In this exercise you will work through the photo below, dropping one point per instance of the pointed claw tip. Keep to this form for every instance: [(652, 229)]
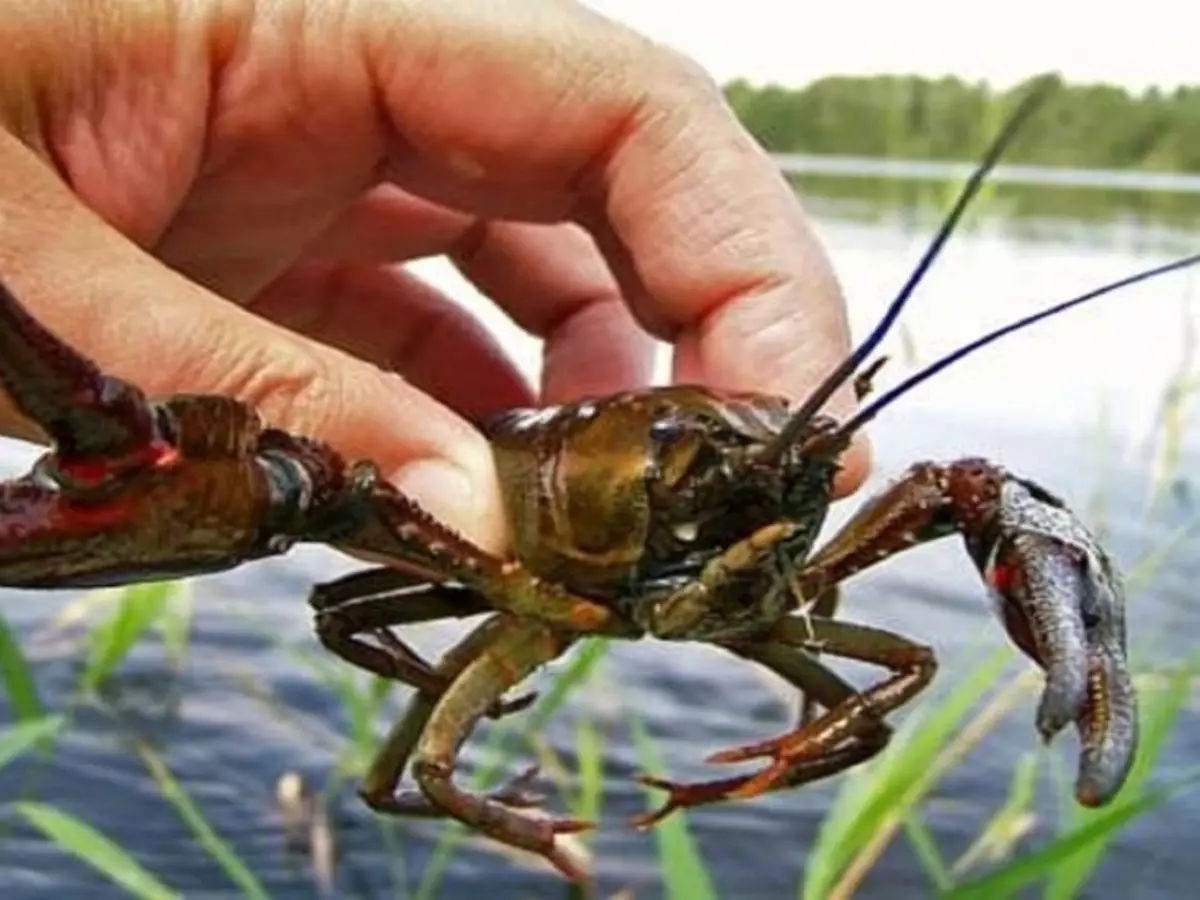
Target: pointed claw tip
[(647, 821), (1048, 730), (1101, 779), (1094, 793), (1064, 697)]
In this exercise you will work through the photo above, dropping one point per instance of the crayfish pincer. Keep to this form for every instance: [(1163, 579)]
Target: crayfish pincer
[(683, 513)]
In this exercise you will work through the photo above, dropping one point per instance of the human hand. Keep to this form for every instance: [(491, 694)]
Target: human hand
[(214, 196)]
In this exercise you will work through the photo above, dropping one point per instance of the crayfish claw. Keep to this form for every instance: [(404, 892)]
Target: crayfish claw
[(676, 799), (700, 793), (89, 415), (1046, 582), (1063, 604), (570, 858), (1107, 729), (572, 826)]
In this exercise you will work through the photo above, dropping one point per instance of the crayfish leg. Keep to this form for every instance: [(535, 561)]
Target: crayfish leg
[(493, 659), (851, 731), (374, 602)]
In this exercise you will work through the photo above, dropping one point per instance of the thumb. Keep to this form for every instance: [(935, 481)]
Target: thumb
[(143, 322)]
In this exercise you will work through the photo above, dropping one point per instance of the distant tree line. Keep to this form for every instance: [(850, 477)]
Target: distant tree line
[(1083, 125)]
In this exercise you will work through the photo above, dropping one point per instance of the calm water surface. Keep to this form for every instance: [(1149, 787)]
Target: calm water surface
[(1072, 404)]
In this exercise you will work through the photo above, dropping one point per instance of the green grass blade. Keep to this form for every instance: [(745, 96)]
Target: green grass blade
[(876, 796), (361, 702), (685, 876), (589, 751), (1028, 869), (85, 843), (206, 836), (17, 677), (19, 738), (176, 624), (579, 669), (138, 609), (928, 853), (1010, 823), (1159, 711)]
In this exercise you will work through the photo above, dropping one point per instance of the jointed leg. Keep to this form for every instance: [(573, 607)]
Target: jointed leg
[(854, 717), (850, 731), (374, 601), (821, 685), (513, 650), (398, 529), (823, 606), (379, 786)]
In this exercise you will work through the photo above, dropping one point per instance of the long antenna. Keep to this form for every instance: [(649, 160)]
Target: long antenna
[(839, 376), (843, 433)]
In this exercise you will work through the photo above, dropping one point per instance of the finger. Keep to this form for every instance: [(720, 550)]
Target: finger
[(723, 253), (550, 279), (701, 231), (590, 120), (553, 282), (388, 317), (391, 225), (144, 322)]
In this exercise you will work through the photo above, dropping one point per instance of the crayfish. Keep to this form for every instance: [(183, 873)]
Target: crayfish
[(682, 513)]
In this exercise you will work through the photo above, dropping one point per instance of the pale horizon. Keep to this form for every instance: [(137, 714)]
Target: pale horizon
[(789, 44)]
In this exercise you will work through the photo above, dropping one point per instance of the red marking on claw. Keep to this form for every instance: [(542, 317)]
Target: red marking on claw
[(1005, 578), (157, 455)]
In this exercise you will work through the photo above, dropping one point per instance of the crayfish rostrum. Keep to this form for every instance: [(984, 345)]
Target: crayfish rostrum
[(681, 513)]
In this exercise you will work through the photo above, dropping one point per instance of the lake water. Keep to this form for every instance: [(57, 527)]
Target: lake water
[(1072, 404)]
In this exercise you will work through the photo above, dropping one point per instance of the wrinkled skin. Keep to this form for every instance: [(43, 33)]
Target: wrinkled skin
[(680, 513)]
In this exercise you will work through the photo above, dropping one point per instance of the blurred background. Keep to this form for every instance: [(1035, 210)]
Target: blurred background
[(174, 711)]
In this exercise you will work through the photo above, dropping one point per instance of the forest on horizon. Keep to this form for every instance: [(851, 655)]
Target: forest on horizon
[(1097, 126)]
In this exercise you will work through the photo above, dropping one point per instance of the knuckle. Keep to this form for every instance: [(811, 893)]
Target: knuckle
[(297, 391), (677, 72)]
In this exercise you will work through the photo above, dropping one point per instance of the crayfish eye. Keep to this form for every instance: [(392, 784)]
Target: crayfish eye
[(667, 433)]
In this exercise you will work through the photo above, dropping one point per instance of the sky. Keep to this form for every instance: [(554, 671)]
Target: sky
[(792, 43)]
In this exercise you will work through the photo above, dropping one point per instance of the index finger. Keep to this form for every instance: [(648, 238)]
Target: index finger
[(562, 114), (727, 257)]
